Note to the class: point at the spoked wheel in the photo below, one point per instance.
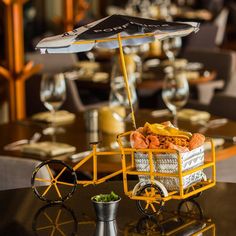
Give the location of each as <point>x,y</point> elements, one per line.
<point>190,208</point>
<point>55,219</point>
<point>148,206</point>
<point>149,226</point>
<point>54,181</point>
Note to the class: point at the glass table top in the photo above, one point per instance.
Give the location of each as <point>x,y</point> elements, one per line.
<point>213,213</point>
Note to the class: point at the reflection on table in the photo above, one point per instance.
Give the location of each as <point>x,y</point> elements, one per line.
<point>187,220</point>
<point>23,214</point>
<point>60,219</point>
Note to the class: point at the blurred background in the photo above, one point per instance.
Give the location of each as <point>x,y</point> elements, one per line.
<point>208,57</point>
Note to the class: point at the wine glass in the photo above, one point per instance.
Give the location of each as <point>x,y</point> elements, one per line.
<point>175,91</point>
<point>171,47</point>
<point>52,95</point>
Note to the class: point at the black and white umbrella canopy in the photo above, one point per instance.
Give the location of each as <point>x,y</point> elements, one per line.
<point>103,34</point>
<point>115,31</point>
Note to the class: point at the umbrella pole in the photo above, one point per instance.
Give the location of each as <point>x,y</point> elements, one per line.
<point>126,79</point>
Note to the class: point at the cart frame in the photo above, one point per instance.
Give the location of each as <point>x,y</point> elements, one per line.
<point>150,195</point>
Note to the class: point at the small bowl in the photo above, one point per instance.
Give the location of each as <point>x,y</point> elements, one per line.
<point>106,211</point>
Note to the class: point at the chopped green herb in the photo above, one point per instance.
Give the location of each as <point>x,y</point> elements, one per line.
<point>106,197</point>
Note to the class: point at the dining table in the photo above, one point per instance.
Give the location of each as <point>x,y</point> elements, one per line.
<point>22,213</point>
<point>76,134</point>
<point>152,78</point>
<point>148,86</point>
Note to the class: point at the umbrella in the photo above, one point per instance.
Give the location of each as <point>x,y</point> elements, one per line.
<point>115,31</point>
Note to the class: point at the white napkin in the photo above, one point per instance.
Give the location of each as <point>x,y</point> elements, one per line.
<point>160,113</point>
<point>180,62</point>
<point>89,65</point>
<point>47,148</point>
<point>193,115</point>
<point>60,117</point>
<point>100,77</point>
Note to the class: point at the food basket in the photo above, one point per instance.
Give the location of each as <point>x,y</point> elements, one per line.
<point>168,163</point>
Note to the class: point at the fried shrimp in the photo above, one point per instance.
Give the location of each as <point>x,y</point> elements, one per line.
<point>178,148</point>
<point>165,136</point>
<point>196,141</point>
<point>138,140</point>
<point>153,141</point>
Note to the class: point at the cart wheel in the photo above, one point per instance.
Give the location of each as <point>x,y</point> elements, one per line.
<point>150,207</point>
<point>148,226</point>
<point>55,219</point>
<point>54,181</point>
<point>190,208</point>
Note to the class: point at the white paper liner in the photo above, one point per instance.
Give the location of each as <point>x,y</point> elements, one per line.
<point>168,163</point>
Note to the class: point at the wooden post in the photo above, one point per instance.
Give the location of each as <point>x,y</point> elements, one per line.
<point>16,72</point>
<point>15,57</point>
<point>69,14</point>
<point>74,11</point>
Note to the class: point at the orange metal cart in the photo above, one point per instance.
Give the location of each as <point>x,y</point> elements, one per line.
<point>150,195</point>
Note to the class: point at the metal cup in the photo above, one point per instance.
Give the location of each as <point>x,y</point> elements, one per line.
<point>91,120</point>
<point>106,228</point>
<point>106,211</point>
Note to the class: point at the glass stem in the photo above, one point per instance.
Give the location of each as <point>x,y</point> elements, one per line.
<point>172,58</point>
<point>175,118</point>
<point>53,125</point>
